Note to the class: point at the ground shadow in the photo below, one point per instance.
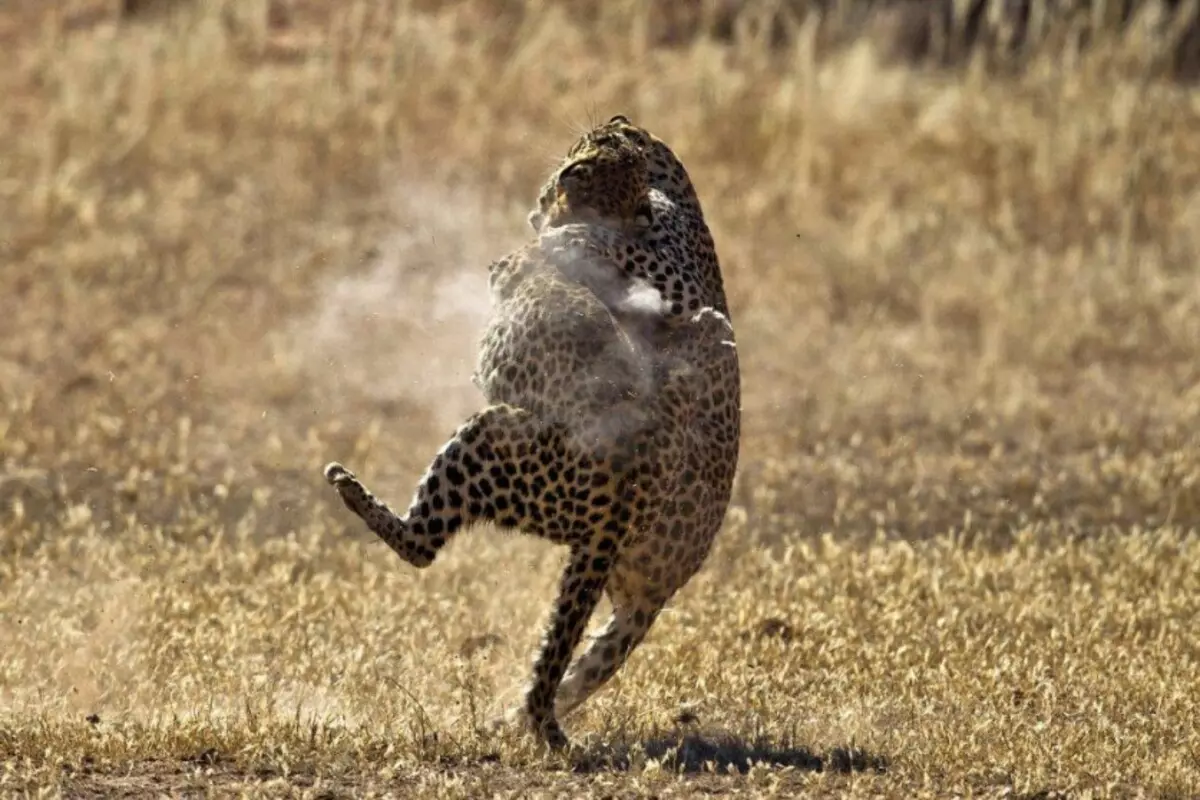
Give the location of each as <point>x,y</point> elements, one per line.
<point>724,754</point>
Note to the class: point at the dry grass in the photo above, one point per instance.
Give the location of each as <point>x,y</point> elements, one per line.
<point>962,557</point>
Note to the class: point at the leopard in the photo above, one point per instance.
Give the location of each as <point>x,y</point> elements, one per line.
<point>669,246</point>
<point>612,423</point>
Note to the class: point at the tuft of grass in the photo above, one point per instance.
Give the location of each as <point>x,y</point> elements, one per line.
<point>236,243</point>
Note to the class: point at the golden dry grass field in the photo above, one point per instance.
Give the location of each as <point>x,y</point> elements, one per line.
<point>963,554</point>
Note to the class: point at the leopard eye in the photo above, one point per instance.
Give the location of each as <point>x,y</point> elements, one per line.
<point>576,169</point>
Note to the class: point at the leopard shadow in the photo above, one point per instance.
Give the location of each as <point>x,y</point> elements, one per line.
<point>722,753</point>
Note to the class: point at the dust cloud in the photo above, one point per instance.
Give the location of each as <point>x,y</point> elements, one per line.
<point>81,638</point>
<point>406,329</point>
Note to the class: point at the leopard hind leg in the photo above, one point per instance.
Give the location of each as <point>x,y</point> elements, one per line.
<point>506,466</point>
<point>503,465</point>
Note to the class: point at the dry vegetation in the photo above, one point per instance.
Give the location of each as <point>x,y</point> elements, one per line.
<point>962,557</point>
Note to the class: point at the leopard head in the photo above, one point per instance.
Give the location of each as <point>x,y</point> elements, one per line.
<point>603,180</point>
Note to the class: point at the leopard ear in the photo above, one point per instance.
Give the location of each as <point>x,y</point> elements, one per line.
<point>643,215</point>
<point>621,118</point>
<point>535,220</point>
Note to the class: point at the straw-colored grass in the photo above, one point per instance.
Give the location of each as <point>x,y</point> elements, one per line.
<point>962,556</point>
